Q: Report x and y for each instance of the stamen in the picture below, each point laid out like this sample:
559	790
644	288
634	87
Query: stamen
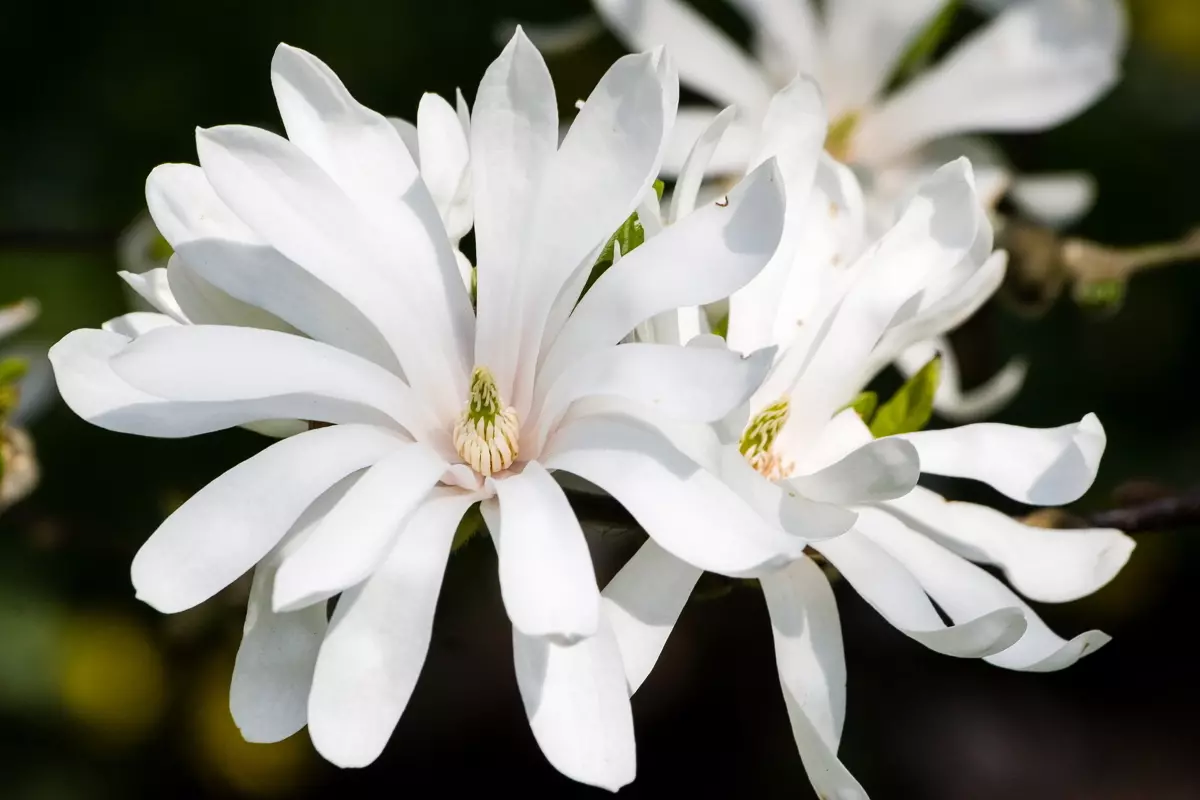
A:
486	434
759	437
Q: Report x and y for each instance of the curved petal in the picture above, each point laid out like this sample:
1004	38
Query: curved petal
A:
1039	466
272	674
546	576
445	163
379	637
699	384
153	287
357	535
950	401
578	706
514	136
880	470
136	323
204	304
703	258
891	590
642	603
1033	67
1057	199
691	175
709	61
228	526
386	268
732	154
787	35
284	376
1050	566
967	592
683	507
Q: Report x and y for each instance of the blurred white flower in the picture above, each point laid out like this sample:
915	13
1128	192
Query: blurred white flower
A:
1035	65
319	277
908	547
26	390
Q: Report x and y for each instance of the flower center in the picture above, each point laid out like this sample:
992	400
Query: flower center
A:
486	433
840	136
759	437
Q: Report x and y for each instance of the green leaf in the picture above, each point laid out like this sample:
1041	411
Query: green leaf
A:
12	369
629	236
1105	296
721	327
924	46
911	407
468	526
659	188
865	404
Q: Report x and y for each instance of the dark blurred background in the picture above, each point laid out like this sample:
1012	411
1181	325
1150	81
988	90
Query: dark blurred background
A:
100	697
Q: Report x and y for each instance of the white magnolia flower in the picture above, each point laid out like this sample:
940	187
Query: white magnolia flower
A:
909	548
1037	64
360	320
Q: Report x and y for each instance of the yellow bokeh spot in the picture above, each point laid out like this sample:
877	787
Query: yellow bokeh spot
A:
257	770
111	677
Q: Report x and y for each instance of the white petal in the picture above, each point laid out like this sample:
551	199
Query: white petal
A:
356	536
228	526
203	303
866	39
879	470
967	592
16	316
891	589
604	168
445	163
687	185
686	509
136	323
273	671
222	250
950	401
703	258
514	136
1033	67
787	36
153	287
825	771
578	706
243	372
732	154
379	637
642	604
692	383
1039	466
546	574
391	272
709	61
808	644
1058	200
1050	566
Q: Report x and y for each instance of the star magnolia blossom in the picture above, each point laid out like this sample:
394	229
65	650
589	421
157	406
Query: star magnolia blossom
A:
1037	64
909	547
361	321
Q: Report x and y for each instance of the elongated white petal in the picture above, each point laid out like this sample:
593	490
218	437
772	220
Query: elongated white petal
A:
356	536
703	258
391	272
1034	66
787	36
1051	566
445	163
643	602
866	39
136	323
967	592
278	374
379	637
514	136
578	706
732	154
1039	466
222	250
692	383
825	771
808	644
1057	199
686	509
273	671
153	287
205	304
891	590
880	470
546	574
709	61
687	185
228	526
950	400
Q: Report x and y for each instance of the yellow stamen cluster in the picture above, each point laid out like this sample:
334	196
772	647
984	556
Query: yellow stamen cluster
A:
759	437
486	434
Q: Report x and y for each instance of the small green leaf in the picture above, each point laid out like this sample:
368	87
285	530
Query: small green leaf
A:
1106	296
911	407
721	327
468	526
628	237
659	188
13	369
925	45
865	404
